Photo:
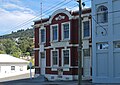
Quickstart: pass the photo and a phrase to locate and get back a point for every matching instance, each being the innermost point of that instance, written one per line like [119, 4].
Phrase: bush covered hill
[18, 44]
[20, 33]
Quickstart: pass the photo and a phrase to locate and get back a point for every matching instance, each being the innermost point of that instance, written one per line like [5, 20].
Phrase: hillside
[20, 33]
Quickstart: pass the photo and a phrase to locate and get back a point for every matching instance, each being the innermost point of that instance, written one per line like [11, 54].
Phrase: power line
[100, 26]
[28, 21]
[57, 7]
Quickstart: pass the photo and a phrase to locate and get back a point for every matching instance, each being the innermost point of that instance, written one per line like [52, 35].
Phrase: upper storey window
[42, 35]
[66, 31]
[54, 33]
[102, 14]
[86, 29]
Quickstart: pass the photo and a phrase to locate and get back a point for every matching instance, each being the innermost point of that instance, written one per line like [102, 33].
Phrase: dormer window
[102, 14]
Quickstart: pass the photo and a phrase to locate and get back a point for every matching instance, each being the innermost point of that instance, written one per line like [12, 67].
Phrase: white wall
[6, 68]
[106, 62]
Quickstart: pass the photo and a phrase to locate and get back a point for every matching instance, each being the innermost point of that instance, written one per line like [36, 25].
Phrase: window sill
[86, 38]
[42, 43]
[54, 68]
[65, 40]
[66, 68]
[54, 41]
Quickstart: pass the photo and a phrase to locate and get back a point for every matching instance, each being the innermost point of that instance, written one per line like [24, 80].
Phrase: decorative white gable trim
[60, 11]
[60, 17]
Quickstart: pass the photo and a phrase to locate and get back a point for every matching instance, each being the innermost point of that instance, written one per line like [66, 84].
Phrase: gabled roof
[5, 58]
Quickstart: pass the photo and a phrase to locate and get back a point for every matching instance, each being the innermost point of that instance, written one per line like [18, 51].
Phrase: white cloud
[15, 19]
[13, 7]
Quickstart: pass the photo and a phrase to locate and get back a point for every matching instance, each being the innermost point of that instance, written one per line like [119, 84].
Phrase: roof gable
[58, 15]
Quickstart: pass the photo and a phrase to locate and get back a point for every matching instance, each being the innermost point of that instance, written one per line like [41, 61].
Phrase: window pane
[102, 14]
[54, 60]
[54, 31]
[117, 44]
[66, 60]
[54, 55]
[12, 67]
[66, 57]
[86, 52]
[66, 31]
[86, 29]
[42, 35]
[105, 16]
[43, 55]
[101, 46]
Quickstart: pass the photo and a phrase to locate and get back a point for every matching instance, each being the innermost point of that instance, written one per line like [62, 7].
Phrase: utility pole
[80, 45]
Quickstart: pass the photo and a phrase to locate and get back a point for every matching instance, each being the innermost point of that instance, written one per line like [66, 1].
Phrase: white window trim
[69, 58]
[40, 34]
[101, 12]
[41, 58]
[51, 33]
[57, 58]
[63, 31]
[89, 29]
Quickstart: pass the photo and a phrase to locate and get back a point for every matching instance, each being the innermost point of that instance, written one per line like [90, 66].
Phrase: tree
[26, 45]
[10, 47]
[2, 48]
[2, 52]
[16, 51]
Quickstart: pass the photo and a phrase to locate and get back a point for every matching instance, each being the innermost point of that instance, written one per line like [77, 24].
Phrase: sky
[20, 14]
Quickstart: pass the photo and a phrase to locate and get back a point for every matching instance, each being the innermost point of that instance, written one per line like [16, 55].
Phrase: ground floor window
[54, 57]
[42, 54]
[86, 52]
[66, 57]
[12, 68]
[102, 46]
[116, 44]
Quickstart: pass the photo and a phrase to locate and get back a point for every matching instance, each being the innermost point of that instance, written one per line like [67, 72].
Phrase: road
[26, 80]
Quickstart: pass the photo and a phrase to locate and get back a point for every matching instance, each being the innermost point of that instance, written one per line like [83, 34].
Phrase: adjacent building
[106, 41]
[56, 44]
[11, 66]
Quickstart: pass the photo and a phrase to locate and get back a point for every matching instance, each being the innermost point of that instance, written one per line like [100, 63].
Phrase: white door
[43, 63]
[86, 67]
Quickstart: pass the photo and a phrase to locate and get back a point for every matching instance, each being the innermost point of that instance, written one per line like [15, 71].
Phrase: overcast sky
[20, 14]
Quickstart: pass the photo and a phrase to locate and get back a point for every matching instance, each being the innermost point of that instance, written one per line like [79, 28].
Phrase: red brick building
[56, 44]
